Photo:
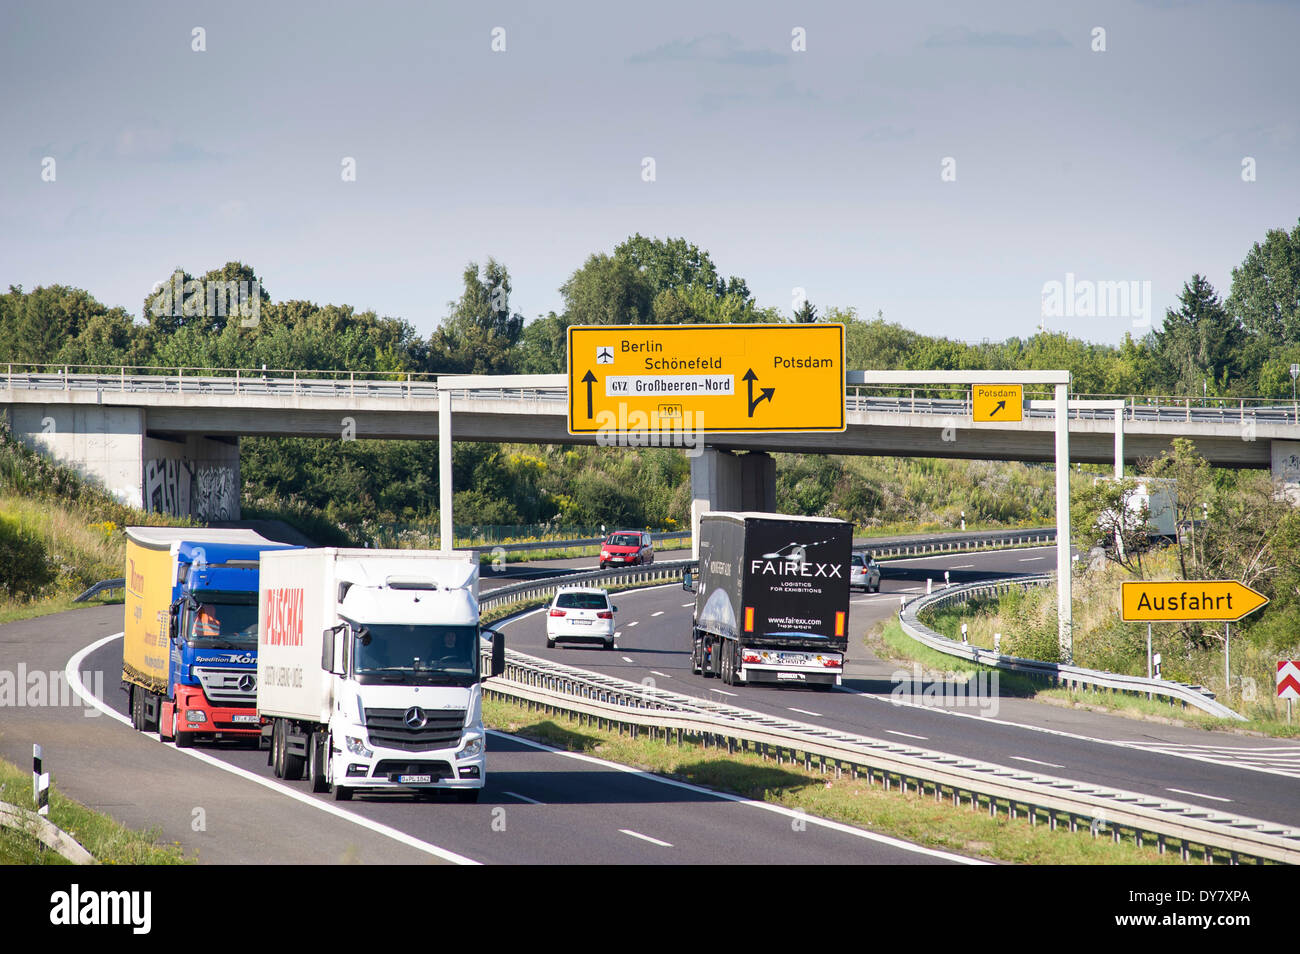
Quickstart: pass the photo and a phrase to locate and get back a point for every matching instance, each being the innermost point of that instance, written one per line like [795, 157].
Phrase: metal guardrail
[614, 703]
[678, 535]
[1070, 676]
[954, 542]
[344, 383]
[100, 587]
[661, 572]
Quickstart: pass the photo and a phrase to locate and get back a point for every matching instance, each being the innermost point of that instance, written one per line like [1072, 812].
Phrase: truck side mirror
[498, 650]
[688, 581]
[329, 645]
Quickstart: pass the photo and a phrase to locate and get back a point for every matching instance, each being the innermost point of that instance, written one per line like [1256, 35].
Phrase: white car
[580, 614]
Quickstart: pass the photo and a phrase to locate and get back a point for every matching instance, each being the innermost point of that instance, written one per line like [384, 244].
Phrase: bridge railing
[937, 400]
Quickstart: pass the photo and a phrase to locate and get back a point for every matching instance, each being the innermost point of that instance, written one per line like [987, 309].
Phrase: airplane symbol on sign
[604, 355]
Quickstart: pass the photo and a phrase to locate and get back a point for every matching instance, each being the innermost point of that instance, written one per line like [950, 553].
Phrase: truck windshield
[217, 625]
[419, 655]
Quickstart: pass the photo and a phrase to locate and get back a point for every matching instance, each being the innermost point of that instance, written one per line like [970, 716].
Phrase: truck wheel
[293, 764]
[316, 763]
[183, 740]
[467, 796]
[342, 793]
[137, 709]
[277, 749]
[696, 668]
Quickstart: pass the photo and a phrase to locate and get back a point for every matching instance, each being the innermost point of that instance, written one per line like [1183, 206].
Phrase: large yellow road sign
[709, 379]
[1188, 601]
[997, 403]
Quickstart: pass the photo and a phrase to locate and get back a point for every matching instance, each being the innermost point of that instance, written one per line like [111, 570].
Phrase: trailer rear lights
[195, 715]
[752, 658]
[831, 664]
[839, 623]
[749, 619]
[469, 771]
[356, 771]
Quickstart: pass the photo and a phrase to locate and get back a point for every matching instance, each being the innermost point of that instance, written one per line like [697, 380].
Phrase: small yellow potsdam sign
[997, 403]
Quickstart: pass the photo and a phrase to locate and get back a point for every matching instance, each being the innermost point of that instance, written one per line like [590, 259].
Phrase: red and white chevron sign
[1288, 679]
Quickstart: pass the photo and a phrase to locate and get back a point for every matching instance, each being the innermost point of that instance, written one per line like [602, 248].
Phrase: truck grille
[391, 728]
[222, 686]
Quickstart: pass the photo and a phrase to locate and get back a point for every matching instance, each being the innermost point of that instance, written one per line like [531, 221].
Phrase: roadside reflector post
[963, 634]
[945, 578]
[929, 585]
[997, 643]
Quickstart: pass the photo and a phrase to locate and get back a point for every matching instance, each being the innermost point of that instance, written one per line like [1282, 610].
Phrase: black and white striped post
[40, 783]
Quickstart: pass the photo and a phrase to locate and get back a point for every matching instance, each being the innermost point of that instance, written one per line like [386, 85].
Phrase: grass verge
[106, 839]
[890, 642]
[914, 817]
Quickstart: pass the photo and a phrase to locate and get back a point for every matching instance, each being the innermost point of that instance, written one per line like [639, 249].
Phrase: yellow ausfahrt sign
[997, 403]
[1181, 601]
[705, 379]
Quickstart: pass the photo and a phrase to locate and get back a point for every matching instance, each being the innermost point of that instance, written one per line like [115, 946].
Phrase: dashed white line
[687, 605]
[1213, 798]
[628, 659]
[633, 623]
[804, 711]
[1031, 559]
[1021, 758]
[522, 798]
[656, 672]
[963, 566]
[637, 834]
[723, 692]
[908, 735]
[658, 613]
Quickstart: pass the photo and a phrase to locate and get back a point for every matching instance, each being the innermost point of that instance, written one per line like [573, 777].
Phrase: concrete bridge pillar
[184, 476]
[721, 480]
[1286, 468]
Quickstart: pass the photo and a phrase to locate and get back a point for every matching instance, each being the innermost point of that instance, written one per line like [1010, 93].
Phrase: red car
[627, 548]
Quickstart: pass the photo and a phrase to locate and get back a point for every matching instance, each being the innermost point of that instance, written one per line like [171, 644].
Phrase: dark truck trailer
[772, 599]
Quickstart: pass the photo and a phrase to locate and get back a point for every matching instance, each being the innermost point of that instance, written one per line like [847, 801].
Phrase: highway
[221, 803]
[1241, 774]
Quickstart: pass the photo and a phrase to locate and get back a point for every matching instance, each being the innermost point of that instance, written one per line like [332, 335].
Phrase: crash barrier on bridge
[1067, 676]
[101, 587]
[609, 703]
[341, 383]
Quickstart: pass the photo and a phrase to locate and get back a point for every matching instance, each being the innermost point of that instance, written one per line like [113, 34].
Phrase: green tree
[1199, 340]
[479, 333]
[806, 314]
[607, 291]
[1265, 294]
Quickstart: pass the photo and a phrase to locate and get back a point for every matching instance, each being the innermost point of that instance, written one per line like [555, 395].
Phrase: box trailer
[772, 599]
[369, 669]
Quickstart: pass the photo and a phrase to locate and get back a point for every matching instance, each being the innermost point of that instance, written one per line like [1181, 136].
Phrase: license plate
[414, 779]
[582, 622]
[789, 675]
[794, 659]
[617, 559]
[245, 718]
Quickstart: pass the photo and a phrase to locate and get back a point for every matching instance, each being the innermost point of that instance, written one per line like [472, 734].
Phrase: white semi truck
[369, 669]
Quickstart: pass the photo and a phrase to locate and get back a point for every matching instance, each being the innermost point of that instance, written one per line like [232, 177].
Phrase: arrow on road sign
[589, 379]
[1187, 601]
[1001, 405]
[766, 394]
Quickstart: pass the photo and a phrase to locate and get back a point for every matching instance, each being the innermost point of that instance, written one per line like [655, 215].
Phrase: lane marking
[1031, 559]
[659, 613]
[805, 712]
[1183, 791]
[523, 798]
[687, 605]
[963, 566]
[908, 735]
[73, 676]
[656, 672]
[628, 659]
[740, 800]
[1021, 758]
[633, 623]
[637, 834]
[722, 691]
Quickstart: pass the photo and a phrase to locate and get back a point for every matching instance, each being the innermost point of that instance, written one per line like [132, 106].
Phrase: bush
[24, 564]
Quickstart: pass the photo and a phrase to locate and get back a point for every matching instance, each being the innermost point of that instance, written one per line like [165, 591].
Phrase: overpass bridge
[169, 439]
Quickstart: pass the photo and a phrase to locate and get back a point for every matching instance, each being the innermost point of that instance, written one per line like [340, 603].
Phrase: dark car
[627, 548]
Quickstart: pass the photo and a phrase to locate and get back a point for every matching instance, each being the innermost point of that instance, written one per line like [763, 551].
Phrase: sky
[940, 163]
